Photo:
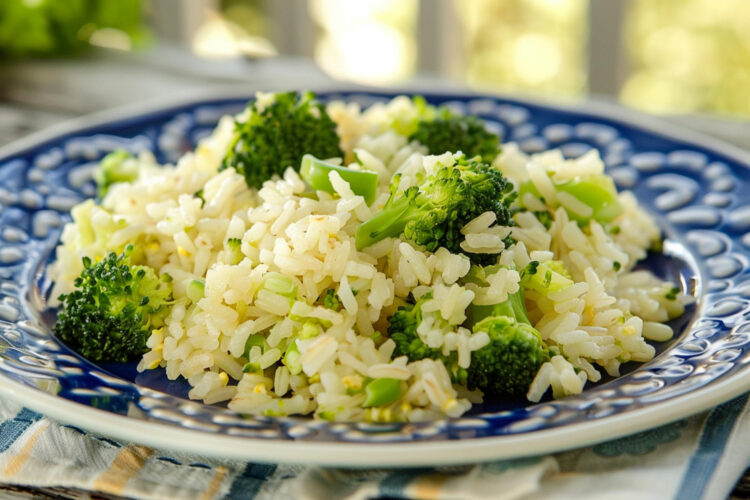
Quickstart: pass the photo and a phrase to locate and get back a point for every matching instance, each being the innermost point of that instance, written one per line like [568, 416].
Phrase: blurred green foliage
[58, 27]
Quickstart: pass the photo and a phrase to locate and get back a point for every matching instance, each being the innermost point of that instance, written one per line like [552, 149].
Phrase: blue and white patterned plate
[696, 188]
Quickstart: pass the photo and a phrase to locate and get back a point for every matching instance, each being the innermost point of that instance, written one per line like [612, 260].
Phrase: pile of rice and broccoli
[387, 264]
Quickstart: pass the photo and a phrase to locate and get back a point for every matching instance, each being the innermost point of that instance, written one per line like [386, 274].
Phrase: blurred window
[666, 56]
[525, 45]
[235, 28]
[669, 56]
[368, 41]
[688, 55]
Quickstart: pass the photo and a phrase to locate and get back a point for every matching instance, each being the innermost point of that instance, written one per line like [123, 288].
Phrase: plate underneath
[692, 185]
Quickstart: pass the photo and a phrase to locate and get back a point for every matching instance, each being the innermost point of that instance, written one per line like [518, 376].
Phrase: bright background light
[367, 41]
[662, 56]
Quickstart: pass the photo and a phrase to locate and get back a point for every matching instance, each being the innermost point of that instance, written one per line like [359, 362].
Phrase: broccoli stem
[316, 173]
[514, 307]
[388, 223]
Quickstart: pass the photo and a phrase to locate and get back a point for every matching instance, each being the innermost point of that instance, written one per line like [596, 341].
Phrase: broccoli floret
[118, 166]
[598, 192]
[509, 363]
[278, 133]
[433, 213]
[504, 367]
[114, 308]
[442, 130]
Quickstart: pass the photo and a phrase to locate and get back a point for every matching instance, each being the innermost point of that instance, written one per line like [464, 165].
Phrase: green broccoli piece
[514, 307]
[118, 166]
[442, 130]
[672, 293]
[509, 363]
[544, 217]
[433, 213]
[504, 367]
[276, 136]
[256, 340]
[114, 308]
[596, 191]
[315, 172]
[331, 300]
[402, 329]
[199, 194]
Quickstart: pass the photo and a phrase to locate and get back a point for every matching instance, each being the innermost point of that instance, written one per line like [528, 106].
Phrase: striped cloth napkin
[699, 457]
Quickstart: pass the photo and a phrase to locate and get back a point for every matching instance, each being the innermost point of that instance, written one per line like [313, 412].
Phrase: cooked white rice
[593, 326]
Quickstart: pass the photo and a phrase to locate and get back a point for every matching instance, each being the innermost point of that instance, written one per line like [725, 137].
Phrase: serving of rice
[606, 318]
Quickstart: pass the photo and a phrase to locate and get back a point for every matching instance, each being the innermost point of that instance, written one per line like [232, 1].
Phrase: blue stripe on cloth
[246, 485]
[716, 431]
[11, 429]
[393, 485]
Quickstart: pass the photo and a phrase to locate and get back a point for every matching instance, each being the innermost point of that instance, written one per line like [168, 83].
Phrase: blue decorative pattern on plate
[694, 191]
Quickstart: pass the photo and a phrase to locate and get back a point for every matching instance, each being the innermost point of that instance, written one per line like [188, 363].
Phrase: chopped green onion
[115, 168]
[672, 293]
[280, 284]
[293, 359]
[309, 330]
[327, 415]
[331, 300]
[195, 290]
[251, 368]
[235, 249]
[199, 194]
[596, 191]
[382, 391]
[315, 172]
[256, 340]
